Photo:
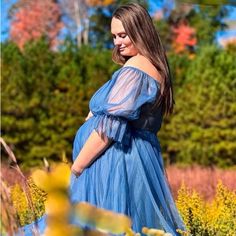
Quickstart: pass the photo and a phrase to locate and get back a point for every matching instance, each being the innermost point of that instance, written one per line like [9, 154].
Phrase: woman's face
[121, 39]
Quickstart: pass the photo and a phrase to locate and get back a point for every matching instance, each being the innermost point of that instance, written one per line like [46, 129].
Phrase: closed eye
[121, 35]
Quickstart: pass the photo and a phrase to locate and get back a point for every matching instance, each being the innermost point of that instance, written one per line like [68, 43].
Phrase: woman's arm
[94, 146]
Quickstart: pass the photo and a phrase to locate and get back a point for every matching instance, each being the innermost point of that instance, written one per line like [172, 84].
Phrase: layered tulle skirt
[128, 178]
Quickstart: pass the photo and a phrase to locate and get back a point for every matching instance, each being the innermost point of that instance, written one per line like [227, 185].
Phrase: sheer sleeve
[120, 100]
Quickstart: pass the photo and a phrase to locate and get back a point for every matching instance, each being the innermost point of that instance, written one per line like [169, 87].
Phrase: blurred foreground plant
[56, 185]
[57, 205]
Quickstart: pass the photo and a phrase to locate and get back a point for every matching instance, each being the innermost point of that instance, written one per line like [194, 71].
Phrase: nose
[117, 41]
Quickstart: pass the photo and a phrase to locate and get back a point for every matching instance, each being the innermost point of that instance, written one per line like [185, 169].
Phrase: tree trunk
[78, 23]
[86, 31]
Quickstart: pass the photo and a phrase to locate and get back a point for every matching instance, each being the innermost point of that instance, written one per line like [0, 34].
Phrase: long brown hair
[139, 27]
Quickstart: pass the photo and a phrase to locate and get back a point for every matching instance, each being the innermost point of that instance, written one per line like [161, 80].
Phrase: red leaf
[35, 19]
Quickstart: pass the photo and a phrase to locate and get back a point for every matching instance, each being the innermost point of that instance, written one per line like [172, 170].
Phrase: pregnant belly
[82, 135]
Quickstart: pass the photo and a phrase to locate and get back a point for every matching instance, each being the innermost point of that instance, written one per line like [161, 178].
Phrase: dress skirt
[128, 179]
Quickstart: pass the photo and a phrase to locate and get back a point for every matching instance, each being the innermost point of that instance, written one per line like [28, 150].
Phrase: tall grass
[201, 179]
[202, 218]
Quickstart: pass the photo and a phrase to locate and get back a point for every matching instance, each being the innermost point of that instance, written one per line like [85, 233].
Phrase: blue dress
[129, 176]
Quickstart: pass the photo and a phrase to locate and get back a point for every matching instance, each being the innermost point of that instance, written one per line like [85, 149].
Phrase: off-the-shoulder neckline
[145, 73]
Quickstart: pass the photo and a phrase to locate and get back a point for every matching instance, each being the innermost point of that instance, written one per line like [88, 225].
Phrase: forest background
[58, 53]
[47, 80]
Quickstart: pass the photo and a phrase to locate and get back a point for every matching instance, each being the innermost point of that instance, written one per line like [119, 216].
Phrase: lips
[122, 48]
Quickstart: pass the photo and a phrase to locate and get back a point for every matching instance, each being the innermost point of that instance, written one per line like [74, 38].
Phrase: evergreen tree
[45, 97]
[202, 128]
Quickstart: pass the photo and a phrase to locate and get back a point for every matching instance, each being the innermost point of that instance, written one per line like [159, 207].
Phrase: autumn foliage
[34, 19]
[184, 36]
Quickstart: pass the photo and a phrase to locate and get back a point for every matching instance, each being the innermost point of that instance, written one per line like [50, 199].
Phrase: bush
[210, 219]
[201, 130]
[25, 213]
[45, 97]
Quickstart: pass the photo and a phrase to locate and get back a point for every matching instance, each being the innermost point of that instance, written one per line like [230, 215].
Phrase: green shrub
[45, 97]
[201, 130]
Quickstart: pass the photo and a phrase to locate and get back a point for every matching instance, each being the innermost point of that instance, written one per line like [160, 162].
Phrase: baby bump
[82, 135]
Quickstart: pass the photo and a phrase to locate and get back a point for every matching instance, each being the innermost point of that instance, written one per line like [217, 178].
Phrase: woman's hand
[88, 153]
[90, 114]
[76, 170]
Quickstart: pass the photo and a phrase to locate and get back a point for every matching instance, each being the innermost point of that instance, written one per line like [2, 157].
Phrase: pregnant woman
[117, 161]
[117, 158]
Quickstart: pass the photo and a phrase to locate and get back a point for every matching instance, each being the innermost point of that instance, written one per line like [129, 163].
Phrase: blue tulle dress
[129, 177]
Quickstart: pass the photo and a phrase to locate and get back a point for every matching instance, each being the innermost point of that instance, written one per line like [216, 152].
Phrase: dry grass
[203, 179]
[9, 218]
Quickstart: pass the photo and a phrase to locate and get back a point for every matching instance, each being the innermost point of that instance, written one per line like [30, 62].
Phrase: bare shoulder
[142, 63]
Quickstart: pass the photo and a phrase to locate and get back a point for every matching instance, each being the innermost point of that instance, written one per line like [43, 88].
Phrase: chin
[127, 54]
